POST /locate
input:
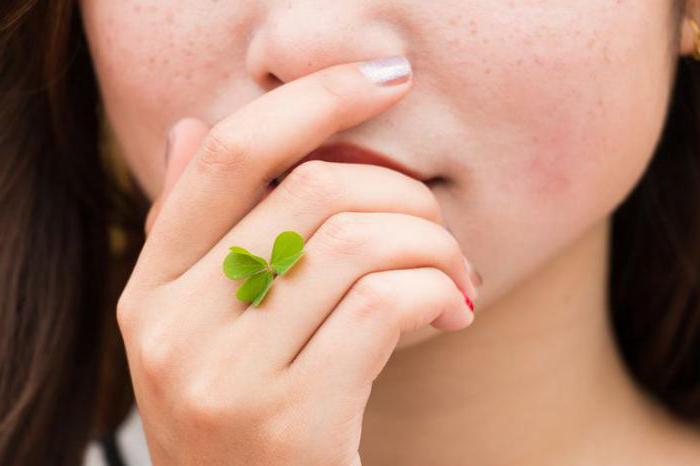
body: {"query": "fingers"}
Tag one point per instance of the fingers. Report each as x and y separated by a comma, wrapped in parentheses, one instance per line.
(362, 332)
(306, 198)
(231, 169)
(184, 138)
(346, 247)
(310, 194)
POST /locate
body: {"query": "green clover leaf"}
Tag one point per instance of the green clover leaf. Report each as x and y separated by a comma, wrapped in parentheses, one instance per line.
(240, 263)
(255, 288)
(286, 251)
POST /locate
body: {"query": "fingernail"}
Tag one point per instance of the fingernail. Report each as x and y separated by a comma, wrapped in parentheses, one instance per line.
(387, 71)
(469, 302)
(474, 276)
(473, 273)
(168, 144)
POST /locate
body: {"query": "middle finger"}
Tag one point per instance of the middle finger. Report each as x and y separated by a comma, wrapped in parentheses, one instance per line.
(311, 193)
(348, 246)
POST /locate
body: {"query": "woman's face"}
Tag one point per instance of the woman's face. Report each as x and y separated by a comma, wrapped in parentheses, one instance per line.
(541, 114)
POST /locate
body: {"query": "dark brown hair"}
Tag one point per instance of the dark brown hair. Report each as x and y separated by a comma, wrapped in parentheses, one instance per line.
(63, 372)
(654, 290)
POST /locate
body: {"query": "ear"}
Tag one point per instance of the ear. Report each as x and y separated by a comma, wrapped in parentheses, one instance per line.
(689, 39)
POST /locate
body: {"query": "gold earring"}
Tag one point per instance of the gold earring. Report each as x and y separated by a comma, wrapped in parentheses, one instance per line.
(696, 30)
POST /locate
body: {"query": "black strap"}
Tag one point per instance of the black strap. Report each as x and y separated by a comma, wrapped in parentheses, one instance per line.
(111, 451)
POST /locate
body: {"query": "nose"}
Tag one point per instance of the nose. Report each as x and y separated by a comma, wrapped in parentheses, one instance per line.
(297, 38)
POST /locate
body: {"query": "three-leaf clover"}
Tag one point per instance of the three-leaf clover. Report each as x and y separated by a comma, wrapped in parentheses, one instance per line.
(240, 264)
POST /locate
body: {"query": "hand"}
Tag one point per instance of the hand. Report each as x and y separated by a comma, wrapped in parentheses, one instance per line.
(219, 382)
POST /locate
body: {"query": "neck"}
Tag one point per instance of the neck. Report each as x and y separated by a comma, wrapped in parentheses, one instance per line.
(534, 380)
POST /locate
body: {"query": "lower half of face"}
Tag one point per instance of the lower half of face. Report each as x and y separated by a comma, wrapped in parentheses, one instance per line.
(541, 115)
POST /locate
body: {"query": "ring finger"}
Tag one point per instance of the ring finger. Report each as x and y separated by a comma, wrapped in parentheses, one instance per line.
(310, 194)
(363, 330)
(345, 248)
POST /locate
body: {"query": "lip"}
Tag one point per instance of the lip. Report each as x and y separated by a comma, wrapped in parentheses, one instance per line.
(353, 153)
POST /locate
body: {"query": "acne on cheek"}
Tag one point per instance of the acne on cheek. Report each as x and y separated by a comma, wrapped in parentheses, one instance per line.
(547, 173)
(579, 156)
(155, 63)
(557, 138)
(538, 76)
(584, 128)
(558, 88)
(528, 79)
(168, 53)
(592, 158)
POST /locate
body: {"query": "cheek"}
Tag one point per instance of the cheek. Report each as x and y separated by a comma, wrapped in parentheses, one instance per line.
(570, 100)
(155, 60)
(586, 138)
(165, 47)
(560, 109)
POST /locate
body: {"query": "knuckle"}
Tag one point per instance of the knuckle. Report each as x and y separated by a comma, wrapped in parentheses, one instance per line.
(156, 355)
(312, 182)
(128, 307)
(210, 400)
(249, 415)
(125, 313)
(201, 405)
(373, 311)
(223, 151)
(344, 234)
(372, 297)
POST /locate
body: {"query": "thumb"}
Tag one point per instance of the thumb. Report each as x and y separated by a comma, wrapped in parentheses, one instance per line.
(184, 137)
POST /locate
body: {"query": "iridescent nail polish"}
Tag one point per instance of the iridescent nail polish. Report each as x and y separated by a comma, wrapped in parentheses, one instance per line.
(387, 71)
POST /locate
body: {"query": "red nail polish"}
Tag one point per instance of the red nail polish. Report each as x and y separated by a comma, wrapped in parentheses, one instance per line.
(468, 301)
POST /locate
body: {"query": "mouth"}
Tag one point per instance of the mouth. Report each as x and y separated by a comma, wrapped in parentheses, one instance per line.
(353, 153)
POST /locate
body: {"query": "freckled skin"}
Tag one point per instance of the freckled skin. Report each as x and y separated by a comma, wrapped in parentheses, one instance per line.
(542, 114)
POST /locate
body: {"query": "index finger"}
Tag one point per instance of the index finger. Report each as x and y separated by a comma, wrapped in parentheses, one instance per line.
(243, 152)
